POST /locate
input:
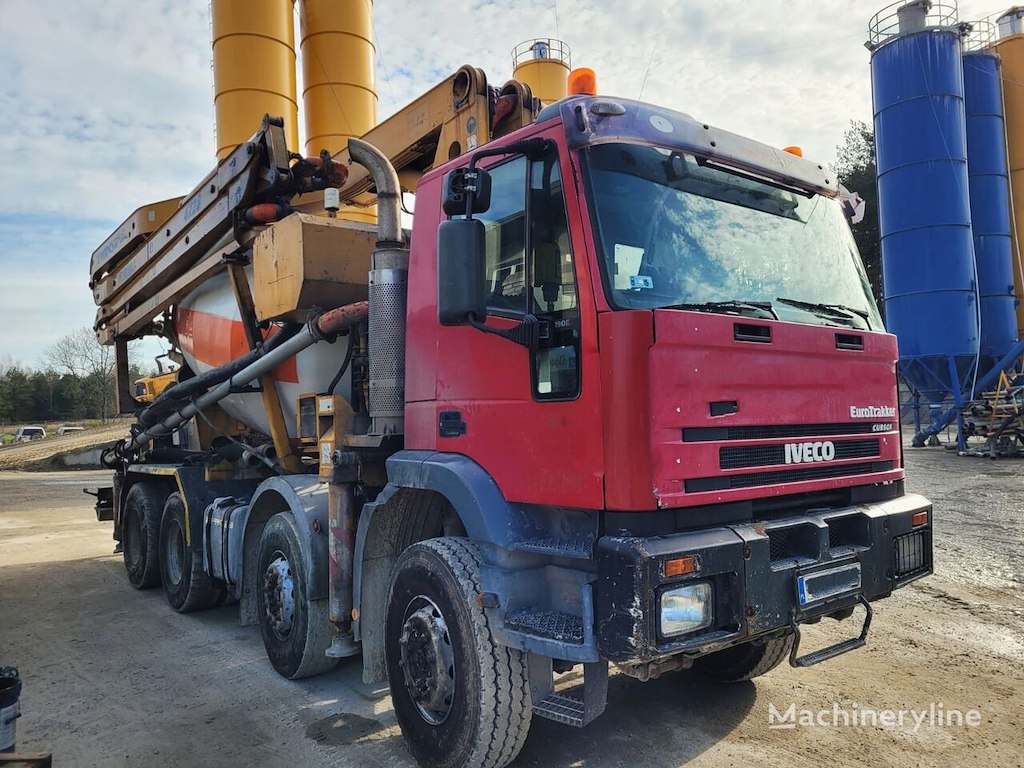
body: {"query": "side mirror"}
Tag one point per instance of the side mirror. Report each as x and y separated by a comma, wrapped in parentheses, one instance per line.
(461, 289)
(462, 184)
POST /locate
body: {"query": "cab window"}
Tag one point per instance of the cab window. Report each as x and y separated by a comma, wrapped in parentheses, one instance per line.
(505, 237)
(527, 218)
(556, 365)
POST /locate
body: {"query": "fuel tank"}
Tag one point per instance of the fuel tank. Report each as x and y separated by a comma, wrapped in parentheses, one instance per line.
(210, 333)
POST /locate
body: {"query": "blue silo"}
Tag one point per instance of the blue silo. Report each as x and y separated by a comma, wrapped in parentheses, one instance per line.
(990, 204)
(929, 280)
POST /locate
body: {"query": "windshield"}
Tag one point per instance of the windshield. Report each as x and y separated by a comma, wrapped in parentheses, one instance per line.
(674, 232)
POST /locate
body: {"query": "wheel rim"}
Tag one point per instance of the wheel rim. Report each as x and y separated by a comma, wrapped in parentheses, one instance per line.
(427, 660)
(133, 538)
(175, 555)
(279, 595)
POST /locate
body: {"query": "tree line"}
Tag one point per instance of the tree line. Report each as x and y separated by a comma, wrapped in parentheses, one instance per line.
(855, 167)
(75, 383)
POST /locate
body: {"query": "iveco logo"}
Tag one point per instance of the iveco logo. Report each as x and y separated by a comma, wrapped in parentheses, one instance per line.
(800, 453)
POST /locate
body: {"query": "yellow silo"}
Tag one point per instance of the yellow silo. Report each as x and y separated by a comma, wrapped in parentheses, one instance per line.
(339, 98)
(253, 69)
(543, 64)
(1010, 47)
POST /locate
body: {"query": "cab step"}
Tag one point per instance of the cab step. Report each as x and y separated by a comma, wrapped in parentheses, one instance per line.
(829, 652)
(554, 625)
(566, 710)
(573, 547)
(563, 708)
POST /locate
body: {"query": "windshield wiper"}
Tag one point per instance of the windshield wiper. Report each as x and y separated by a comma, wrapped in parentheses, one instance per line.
(764, 307)
(838, 311)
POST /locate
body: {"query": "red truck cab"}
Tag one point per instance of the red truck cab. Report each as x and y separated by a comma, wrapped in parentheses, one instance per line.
(708, 411)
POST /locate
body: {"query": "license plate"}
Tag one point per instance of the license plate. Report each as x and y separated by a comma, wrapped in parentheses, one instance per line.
(832, 582)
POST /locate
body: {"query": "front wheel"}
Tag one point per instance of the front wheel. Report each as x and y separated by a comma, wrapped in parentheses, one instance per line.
(745, 661)
(462, 700)
(296, 630)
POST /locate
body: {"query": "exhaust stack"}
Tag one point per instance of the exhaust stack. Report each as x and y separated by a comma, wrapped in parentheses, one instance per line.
(389, 282)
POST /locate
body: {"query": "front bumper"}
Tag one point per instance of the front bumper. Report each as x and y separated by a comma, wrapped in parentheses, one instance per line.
(759, 574)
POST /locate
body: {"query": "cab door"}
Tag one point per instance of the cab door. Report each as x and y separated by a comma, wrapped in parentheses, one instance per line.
(530, 418)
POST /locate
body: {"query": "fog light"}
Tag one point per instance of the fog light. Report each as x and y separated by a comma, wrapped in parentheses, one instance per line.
(685, 609)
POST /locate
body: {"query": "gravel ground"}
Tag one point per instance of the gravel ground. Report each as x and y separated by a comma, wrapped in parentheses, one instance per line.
(113, 677)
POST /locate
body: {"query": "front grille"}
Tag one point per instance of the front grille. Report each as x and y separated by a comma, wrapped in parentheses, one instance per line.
(912, 553)
(731, 482)
(778, 545)
(770, 431)
(793, 541)
(848, 531)
(766, 455)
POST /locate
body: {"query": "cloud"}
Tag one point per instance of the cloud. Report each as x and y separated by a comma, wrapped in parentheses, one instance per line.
(109, 105)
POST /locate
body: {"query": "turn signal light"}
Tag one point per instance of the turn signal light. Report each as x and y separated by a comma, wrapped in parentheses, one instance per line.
(680, 566)
(582, 82)
(919, 518)
(794, 151)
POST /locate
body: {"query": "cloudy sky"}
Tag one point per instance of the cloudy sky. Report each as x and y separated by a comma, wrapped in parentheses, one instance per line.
(108, 105)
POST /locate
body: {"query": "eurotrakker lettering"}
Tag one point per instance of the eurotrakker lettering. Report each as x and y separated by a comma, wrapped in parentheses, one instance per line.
(872, 411)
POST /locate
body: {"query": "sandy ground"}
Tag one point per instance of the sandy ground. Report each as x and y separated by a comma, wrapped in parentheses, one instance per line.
(113, 677)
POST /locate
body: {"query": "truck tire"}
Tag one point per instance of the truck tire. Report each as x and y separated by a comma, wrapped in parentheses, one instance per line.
(462, 700)
(186, 585)
(745, 661)
(296, 630)
(141, 533)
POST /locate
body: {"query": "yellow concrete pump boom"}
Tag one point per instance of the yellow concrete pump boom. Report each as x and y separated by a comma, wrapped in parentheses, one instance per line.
(132, 286)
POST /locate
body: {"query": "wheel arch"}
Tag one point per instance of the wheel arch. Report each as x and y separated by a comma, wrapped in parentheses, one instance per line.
(305, 498)
(429, 494)
(164, 478)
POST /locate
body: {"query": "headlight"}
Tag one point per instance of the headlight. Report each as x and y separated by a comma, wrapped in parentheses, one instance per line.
(685, 609)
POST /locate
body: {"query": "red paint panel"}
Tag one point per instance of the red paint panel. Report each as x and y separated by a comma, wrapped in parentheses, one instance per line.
(421, 308)
(626, 340)
(421, 420)
(537, 452)
(216, 340)
(798, 378)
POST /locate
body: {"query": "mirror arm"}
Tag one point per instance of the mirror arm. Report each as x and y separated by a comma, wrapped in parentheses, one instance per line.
(533, 149)
(471, 191)
(527, 333)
